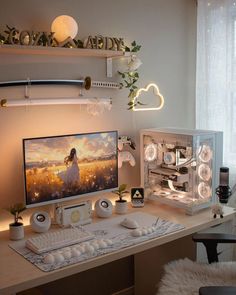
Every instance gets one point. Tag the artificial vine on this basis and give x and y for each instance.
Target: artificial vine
(131, 76)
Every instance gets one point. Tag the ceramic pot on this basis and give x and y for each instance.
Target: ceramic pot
(121, 206)
(16, 231)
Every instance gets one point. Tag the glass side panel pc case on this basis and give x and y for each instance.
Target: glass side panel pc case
(60, 168)
(181, 167)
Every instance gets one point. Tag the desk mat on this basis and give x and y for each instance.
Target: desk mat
(105, 229)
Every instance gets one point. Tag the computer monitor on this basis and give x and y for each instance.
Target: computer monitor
(60, 168)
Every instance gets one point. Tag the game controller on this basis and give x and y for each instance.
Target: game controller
(125, 156)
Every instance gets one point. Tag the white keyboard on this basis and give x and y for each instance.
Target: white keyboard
(57, 239)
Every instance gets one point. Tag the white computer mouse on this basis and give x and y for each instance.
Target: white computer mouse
(129, 223)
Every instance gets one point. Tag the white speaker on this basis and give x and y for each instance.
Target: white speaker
(40, 221)
(103, 208)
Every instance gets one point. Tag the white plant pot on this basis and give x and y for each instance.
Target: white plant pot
(16, 232)
(121, 207)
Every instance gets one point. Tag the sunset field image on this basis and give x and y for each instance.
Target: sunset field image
(65, 166)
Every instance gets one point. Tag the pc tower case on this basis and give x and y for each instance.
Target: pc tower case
(180, 167)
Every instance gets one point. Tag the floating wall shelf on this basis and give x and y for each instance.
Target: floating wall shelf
(105, 101)
(44, 50)
(60, 51)
(86, 83)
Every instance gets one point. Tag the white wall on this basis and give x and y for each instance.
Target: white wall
(164, 28)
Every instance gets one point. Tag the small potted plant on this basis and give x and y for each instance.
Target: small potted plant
(121, 204)
(16, 228)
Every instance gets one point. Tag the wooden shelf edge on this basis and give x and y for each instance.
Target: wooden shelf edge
(57, 51)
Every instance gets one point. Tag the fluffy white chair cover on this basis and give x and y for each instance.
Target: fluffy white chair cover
(185, 277)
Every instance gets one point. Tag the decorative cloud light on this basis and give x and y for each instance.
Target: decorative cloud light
(156, 93)
(64, 26)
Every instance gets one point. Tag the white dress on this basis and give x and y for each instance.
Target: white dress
(71, 175)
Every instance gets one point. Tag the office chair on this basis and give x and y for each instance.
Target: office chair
(185, 277)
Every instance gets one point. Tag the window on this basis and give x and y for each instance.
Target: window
(216, 72)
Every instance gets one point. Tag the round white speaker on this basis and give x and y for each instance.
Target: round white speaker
(40, 221)
(103, 208)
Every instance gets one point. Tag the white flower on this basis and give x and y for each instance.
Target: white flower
(134, 64)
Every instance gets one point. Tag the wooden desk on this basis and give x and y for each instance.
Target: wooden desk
(17, 274)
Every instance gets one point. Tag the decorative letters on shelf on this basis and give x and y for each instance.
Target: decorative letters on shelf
(100, 42)
(13, 36)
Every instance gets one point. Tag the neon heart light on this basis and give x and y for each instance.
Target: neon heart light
(156, 92)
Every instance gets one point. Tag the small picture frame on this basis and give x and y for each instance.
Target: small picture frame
(137, 196)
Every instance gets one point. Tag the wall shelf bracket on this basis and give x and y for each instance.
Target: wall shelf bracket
(109, 67)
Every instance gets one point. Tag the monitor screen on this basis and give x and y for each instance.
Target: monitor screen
(60, 168)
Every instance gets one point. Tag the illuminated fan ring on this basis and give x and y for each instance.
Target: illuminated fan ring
(204, 172)
(150, 152)
(204, 190)
(205, 153)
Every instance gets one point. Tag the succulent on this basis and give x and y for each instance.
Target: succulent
(15, 210)
(121, 191)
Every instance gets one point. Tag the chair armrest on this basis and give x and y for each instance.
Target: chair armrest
(218, 290)
(210, 241)
(218, 238)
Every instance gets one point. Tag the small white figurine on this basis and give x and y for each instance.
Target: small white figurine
(125, 156)
(217, 209)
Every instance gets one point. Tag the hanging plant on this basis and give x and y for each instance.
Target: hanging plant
(131, 76)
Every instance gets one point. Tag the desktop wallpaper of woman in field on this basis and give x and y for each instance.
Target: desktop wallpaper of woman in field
(64, 166)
